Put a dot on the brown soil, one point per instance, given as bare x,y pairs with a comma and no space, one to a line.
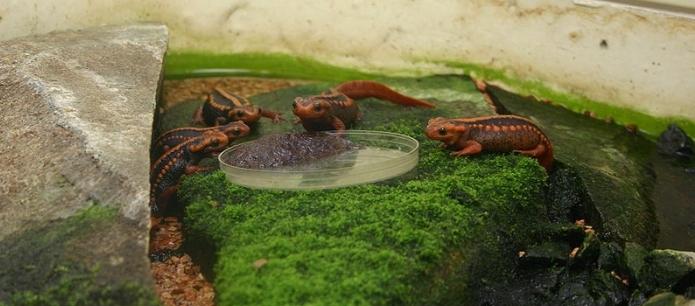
178,280
176,91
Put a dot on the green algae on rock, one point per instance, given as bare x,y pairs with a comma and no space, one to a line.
40,266
419,239
613,164
375,244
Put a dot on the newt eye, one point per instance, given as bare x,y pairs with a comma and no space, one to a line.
442,131
240,113
317,106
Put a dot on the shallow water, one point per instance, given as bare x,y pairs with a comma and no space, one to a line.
674,202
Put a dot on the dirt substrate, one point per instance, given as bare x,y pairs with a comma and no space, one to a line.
178,279
176,91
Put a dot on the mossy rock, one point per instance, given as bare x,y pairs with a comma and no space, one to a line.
60,264
419,240
613,164
664,269
668,299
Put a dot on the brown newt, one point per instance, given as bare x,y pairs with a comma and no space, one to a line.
501,133
222,107
171,138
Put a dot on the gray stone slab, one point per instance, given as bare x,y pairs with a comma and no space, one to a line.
78,108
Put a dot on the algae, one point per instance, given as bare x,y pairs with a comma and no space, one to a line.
614,165
420,239
185,64
179,65
38,268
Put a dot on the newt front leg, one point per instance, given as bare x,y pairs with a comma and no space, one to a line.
470,147
275,116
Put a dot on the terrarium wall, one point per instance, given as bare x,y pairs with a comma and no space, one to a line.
628,57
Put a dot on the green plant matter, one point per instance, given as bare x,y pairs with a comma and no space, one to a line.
82,290
416,240
39,266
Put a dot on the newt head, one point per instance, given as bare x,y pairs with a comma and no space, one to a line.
445,130
311,108
209,142
235,129
246,113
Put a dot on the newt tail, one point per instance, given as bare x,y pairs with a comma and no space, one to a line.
369,89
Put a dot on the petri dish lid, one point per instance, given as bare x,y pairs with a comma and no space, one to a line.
377,156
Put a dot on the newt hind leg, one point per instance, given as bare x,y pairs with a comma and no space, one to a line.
539,150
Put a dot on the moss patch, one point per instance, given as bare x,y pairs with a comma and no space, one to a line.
420,239
83,290
41,266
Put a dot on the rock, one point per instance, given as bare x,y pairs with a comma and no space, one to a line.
668,299
545,254
567,198
634,259
588,252
675,142
664,269
614,166
611,257
637,298
77,124
596,288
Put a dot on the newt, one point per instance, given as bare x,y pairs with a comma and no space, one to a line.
501,133
171,138
336,108
180,160
222,107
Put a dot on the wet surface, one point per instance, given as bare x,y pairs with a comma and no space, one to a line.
674,201
640,194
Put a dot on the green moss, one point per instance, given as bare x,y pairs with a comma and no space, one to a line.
41,267
82,290
370,244
413,240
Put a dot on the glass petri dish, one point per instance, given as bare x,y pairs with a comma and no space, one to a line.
377,156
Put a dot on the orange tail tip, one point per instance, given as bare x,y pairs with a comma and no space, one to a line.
370,89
